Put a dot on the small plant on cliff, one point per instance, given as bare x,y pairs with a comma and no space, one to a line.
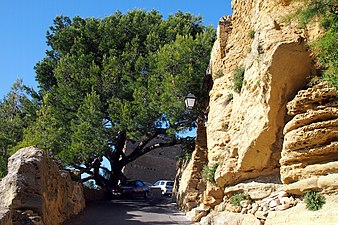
252,34
314,200
238,76
218,74
236,199
229,97
208,173
325,47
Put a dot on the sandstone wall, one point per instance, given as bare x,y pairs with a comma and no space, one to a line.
245,129
189,186
310,151
37,192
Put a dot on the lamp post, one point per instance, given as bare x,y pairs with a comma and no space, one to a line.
190,101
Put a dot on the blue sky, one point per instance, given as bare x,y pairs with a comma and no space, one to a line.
24,24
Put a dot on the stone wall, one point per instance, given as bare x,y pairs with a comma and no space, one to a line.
37,192
159,164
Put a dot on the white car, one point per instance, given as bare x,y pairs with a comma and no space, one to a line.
165,185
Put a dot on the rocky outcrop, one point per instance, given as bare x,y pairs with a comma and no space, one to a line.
262,140
37,192
5,216
310,148
246,138
191,187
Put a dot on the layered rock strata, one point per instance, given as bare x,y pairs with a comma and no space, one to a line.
37,192
310,147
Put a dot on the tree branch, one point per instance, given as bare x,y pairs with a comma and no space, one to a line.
136,154
84,169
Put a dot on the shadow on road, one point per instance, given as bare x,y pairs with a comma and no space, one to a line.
130,212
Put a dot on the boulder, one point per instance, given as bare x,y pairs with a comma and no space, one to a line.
5,216
229,219
37,191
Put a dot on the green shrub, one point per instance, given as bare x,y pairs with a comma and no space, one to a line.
238,76
326,47
236,199
218,74
314,200
229,97
208,173
252,34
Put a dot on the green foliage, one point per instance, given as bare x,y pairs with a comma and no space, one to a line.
17,111
236,199
218,74
238,76
188,146
314,200
252,34
229,97
326,47
208,173
124,75
87,131
3,165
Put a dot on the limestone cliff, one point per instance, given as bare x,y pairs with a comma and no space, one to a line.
247,136
245,126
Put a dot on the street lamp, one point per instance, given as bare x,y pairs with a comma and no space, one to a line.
190,101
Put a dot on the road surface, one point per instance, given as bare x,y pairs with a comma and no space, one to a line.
130,212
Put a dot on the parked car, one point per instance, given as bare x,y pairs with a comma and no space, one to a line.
131,189
166,186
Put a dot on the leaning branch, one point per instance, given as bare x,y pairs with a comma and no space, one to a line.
136,154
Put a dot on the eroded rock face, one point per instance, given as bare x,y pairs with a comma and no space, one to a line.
37,191
245,129
310,146
191,187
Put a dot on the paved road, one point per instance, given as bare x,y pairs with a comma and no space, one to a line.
130,212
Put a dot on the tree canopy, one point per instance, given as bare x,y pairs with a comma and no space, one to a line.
17,111
124,77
